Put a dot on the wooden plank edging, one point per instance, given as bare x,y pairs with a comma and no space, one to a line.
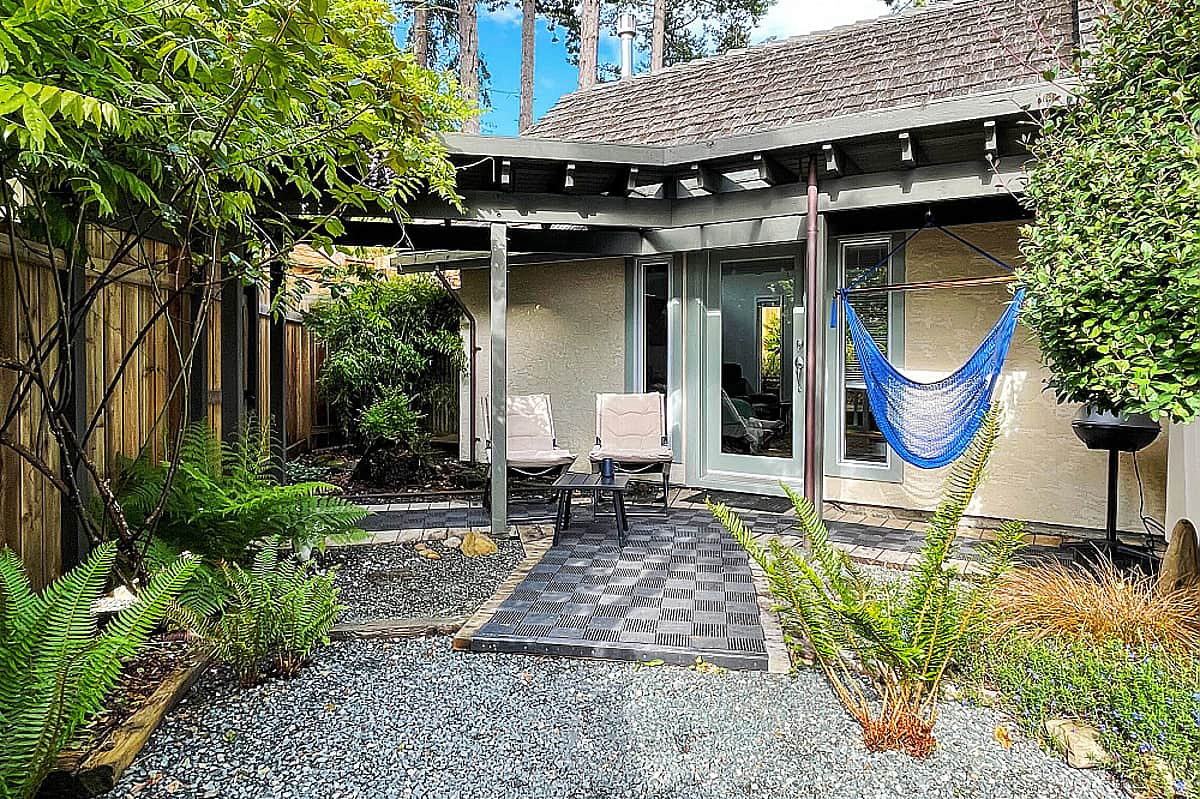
534,552
97,770
397,628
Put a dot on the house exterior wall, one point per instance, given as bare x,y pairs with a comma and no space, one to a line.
566,338
1039,471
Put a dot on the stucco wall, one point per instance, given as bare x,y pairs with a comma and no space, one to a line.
1040,471
566,337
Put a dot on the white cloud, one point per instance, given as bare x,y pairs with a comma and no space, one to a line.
794,17
504,15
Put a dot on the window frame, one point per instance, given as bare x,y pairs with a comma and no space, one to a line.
635,318
836,462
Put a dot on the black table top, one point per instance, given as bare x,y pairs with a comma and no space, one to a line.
578,481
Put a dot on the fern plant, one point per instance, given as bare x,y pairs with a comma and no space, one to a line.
220,498
896,643
56,664
275,613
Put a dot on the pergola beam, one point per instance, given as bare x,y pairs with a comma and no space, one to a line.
772,172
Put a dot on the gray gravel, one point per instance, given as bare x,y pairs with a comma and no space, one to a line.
413,719
381,581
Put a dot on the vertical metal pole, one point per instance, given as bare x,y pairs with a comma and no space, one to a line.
1110,517
277,345
812,333
498,389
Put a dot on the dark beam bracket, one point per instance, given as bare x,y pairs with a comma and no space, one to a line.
771,172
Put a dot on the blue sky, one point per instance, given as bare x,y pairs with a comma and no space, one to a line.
554,76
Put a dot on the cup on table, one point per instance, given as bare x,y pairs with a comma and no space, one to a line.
608,470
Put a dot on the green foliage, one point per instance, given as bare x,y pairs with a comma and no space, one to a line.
56,665
1144,702
381,338
210,116
1114,250
903,640
218,499
276,613
392,418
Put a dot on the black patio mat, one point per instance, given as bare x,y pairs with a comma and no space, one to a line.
674,593
736,499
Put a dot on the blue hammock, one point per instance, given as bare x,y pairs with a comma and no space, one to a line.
930,424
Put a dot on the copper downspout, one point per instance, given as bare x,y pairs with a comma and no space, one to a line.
472,350
812,332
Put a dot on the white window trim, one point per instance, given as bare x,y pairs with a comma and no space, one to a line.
836,463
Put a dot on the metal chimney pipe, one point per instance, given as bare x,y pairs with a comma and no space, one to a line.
626,30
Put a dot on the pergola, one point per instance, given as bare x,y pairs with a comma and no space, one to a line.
529,201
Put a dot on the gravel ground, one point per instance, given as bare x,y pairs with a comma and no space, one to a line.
413,719
381,581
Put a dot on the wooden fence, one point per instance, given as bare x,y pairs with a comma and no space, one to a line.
145,400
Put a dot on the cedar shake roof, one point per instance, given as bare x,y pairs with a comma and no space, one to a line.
946,50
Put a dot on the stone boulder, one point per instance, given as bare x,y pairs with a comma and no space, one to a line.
1080,742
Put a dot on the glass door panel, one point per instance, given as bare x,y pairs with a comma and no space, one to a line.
752,344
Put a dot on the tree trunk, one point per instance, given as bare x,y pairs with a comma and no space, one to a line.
589,41
468,60
658,36
420,34
528,34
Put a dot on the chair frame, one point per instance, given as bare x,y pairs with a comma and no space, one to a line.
549,473
637,469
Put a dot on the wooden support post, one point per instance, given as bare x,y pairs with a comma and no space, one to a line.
75,543
498,388
233,356
277,347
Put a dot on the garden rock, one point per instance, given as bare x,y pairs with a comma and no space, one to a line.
453,542
1080,742
476,544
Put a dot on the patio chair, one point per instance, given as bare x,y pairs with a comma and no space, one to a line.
631,429
533,451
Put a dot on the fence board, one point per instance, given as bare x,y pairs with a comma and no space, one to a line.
146,403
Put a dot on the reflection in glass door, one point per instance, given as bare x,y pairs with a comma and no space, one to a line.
752,344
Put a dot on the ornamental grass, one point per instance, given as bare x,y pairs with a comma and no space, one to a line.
1097,605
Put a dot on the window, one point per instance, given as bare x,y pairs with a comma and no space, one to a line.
855,445
651,286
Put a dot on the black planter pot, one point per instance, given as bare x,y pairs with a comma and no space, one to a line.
1116,433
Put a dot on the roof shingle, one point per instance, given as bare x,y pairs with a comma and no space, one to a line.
949,49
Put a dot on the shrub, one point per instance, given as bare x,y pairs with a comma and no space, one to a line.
1097,606
275,614
220,498
1113,252
56,664
1144,702
903,640
381,338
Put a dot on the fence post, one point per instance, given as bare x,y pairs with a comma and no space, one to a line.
233,354
73,286
277,345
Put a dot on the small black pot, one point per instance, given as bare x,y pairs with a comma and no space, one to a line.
1128,432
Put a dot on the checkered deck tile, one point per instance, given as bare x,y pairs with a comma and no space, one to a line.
675,592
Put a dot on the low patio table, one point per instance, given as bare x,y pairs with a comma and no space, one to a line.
593,484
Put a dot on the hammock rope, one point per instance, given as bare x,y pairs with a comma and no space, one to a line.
930,424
